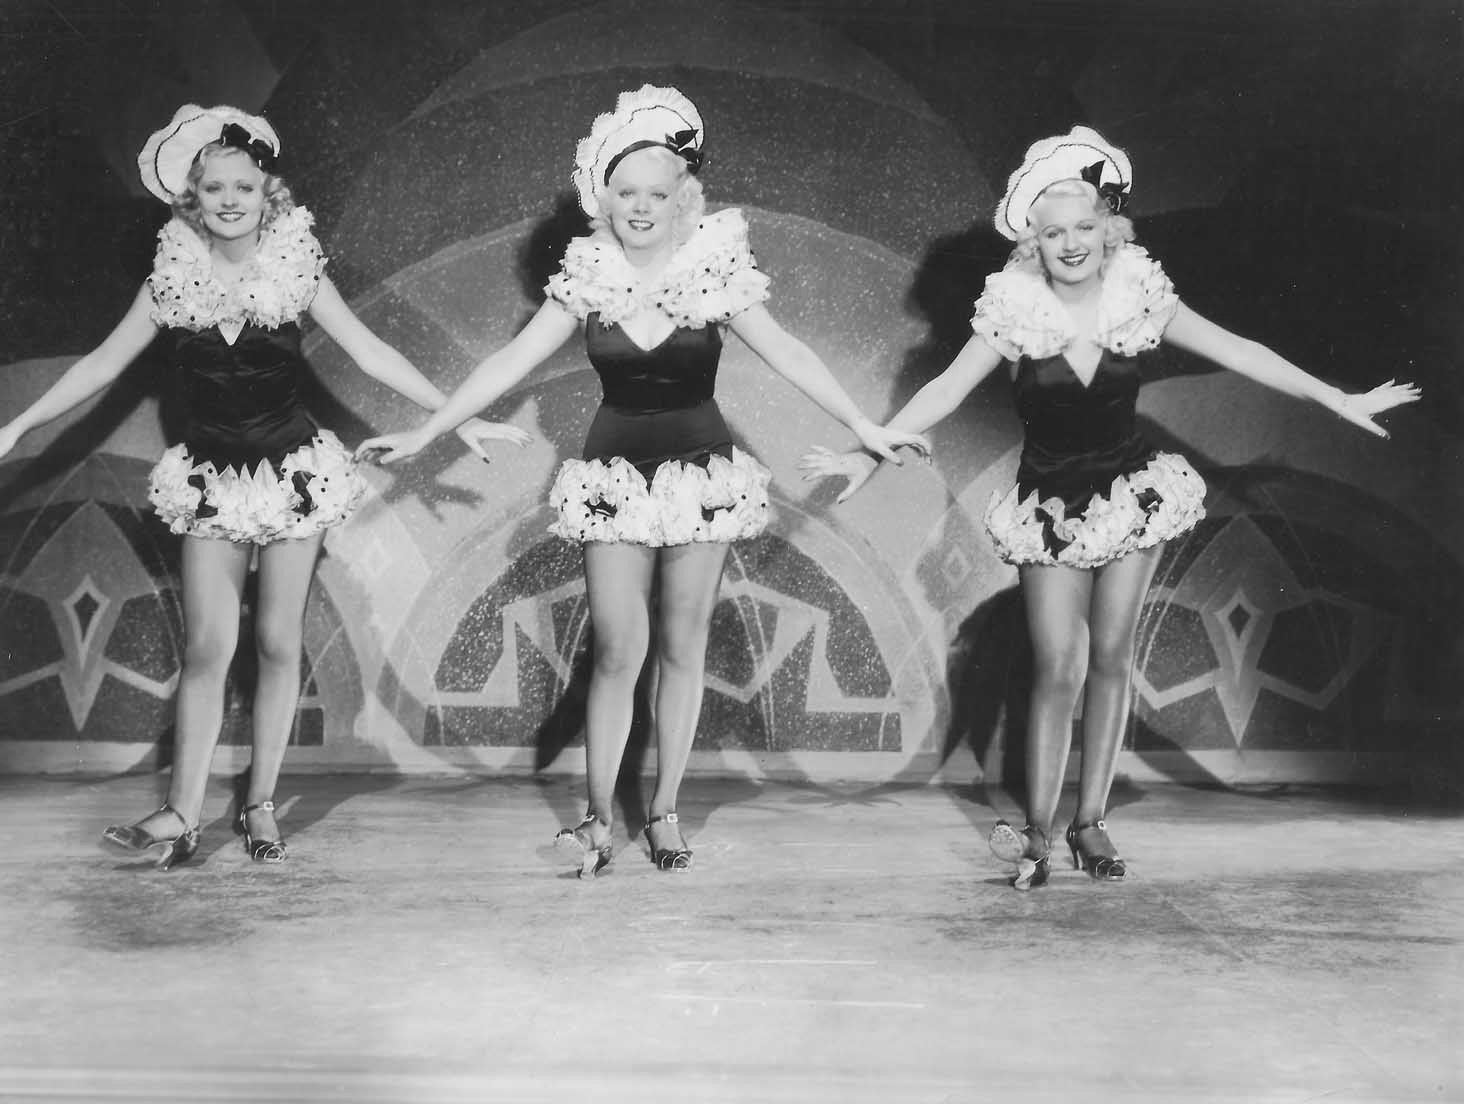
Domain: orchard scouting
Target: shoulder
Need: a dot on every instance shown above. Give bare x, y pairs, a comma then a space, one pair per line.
1019, 316
1138, 301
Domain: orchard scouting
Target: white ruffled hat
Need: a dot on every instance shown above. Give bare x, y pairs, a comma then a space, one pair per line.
649, 116
168, 155
1080, 154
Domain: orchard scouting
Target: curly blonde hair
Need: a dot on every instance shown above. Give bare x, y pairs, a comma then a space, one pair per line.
1117, 229
186, 205
691, 205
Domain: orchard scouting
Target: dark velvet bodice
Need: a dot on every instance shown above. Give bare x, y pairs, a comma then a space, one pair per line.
242, 403
679, 372
1078, 439
658, 403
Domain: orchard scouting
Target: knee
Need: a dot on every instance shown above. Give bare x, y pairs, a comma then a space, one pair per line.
278, 645
209, 652
619, 655
1111, 657
1060, 672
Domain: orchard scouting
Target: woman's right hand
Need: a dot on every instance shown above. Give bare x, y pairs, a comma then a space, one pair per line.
822, 463
391, 447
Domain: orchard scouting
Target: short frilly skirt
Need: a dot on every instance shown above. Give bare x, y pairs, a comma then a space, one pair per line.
684, 503
317, 486
1152, 505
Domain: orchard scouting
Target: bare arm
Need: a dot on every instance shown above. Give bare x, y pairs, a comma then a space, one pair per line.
550, 328
940, 397
802, 367
379, 360
932, 403
91, 373
1196, 334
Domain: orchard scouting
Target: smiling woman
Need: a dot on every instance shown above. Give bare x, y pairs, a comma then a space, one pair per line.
660, 490
255, 481
1072, 312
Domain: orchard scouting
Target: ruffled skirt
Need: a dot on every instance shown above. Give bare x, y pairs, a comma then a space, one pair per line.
609, 500
1152, 505
317, 486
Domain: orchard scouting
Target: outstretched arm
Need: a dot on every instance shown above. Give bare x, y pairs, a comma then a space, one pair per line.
802, 367
1196, 334
550, 328
90, 374
926, 407
382, 361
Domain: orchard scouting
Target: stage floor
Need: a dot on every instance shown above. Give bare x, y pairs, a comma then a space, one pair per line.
832, 943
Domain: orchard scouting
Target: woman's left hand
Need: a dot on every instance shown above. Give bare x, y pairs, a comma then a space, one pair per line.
883, 441
475, 431
1360, 409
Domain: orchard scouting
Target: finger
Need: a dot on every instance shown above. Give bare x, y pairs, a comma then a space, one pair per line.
889, 454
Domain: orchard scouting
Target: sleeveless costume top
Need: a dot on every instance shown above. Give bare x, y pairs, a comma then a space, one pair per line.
659, 466
1089, 487
252, 465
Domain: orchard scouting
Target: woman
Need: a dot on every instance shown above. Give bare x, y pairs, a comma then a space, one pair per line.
661, 490
1072, 312
254, 479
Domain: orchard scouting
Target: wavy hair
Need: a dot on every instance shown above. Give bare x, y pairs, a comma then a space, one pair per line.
1117, 230
186, 205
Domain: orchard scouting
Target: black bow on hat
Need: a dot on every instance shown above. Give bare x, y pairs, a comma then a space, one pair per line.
683, 144
1115, 195
236, 137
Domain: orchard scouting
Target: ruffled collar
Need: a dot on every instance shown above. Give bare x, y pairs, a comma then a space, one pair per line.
709, 278
1019, 310
277, 285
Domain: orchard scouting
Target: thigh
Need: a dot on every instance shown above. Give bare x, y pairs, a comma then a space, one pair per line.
1056, 600
690, 577
618, 588
1119, 588
286, 569
213, 588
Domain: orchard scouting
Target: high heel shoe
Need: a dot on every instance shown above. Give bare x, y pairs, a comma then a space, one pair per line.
668, 858
1030, 849
1100, 867
260, 850
166, 852
577, 847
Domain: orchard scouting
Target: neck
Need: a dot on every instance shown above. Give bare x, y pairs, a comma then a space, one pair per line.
1073, 294
647, 258
236, 250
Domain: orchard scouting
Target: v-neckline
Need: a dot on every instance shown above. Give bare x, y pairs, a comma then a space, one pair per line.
644, 349
1086, 384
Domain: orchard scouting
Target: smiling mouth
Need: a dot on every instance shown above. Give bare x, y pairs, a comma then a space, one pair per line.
639, 224
1073, 260
230, 216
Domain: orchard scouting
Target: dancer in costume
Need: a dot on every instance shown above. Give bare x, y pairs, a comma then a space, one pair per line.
1074, 310
254, 479
661, 489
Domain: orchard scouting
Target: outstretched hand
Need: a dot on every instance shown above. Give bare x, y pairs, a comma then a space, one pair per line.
391, 447
883, 441
1360, 409
821, 463
475, 431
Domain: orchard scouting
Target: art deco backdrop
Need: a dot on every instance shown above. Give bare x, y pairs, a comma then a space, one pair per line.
1296, 170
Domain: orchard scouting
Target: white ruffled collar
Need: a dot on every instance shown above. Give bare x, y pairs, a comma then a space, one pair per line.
1019, 311
710, 277
276, 286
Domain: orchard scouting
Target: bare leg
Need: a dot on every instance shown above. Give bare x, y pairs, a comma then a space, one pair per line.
1118, 598
213, 573
286, 569
1057, 600
689, 580
618, 587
